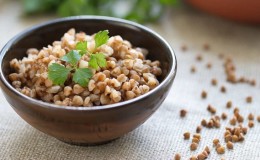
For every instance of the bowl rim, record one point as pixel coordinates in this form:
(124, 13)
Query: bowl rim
(169, 77)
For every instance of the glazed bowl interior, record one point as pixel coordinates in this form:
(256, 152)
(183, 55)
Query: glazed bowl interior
(88, 125)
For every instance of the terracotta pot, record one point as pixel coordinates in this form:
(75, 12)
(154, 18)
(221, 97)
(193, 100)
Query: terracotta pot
(238, 10)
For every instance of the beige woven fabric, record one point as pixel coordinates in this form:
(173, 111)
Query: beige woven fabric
(161, 136)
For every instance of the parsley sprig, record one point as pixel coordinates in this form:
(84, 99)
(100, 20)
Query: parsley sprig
(58, 73)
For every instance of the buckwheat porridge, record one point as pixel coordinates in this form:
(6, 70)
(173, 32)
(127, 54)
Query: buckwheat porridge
(85, 70)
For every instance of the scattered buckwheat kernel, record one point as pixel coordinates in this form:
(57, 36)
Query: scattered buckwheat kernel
(241, 137)
(228, 129)
(220, 150)
(193, 146)
(230, 145)
(211, 109)
(236, 110)
(253, 82)
(198, 129)
(199, 57)
(228, 138)
(244, 129)
(258, 119)
(209, 65)
(214, 82)
(206, 46)
(242, 79)
(251, 116)
(204, 123)
(227, 132)
(251, 124)
(223, 89)
(218, 145)
(234, 138)
(203, 94)
(207, 149)
(249, 99)
(193, 69)
(186, 135)
(224, 116)
(201, 156)
(183, 112)
(240, 118)
(233, 121)
(210, 123)
(197, 135)
(193, 158)
(229, 104)
(205, 153)
(217, 124)
(177, 156)
(195, 140)
(237, 131)
(215, 142)
(216, 118)
(232, 78)
(184, 47)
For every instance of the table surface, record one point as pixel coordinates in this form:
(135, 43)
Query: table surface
(162, 135)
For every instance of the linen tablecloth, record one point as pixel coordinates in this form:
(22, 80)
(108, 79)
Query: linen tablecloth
(162, 135)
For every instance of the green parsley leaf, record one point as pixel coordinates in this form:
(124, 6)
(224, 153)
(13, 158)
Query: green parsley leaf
(93, 62)
(101, 59)
(72, 57)
(101, 38)
(82, 76)
(82, 47)
(97, 60)
(58, 74)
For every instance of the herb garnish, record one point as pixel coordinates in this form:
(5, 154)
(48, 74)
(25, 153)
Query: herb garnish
(58, 73)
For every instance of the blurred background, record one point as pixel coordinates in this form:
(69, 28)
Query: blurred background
(227, 27)
(16, 15)
(143, 10)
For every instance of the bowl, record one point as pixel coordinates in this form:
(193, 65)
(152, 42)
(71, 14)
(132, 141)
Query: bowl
(242, 11)
(88, 125)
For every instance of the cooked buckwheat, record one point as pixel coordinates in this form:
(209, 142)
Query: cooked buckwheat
(128, 74)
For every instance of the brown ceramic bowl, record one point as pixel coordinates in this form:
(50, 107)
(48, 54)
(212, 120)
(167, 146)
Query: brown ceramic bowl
(88, 125)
